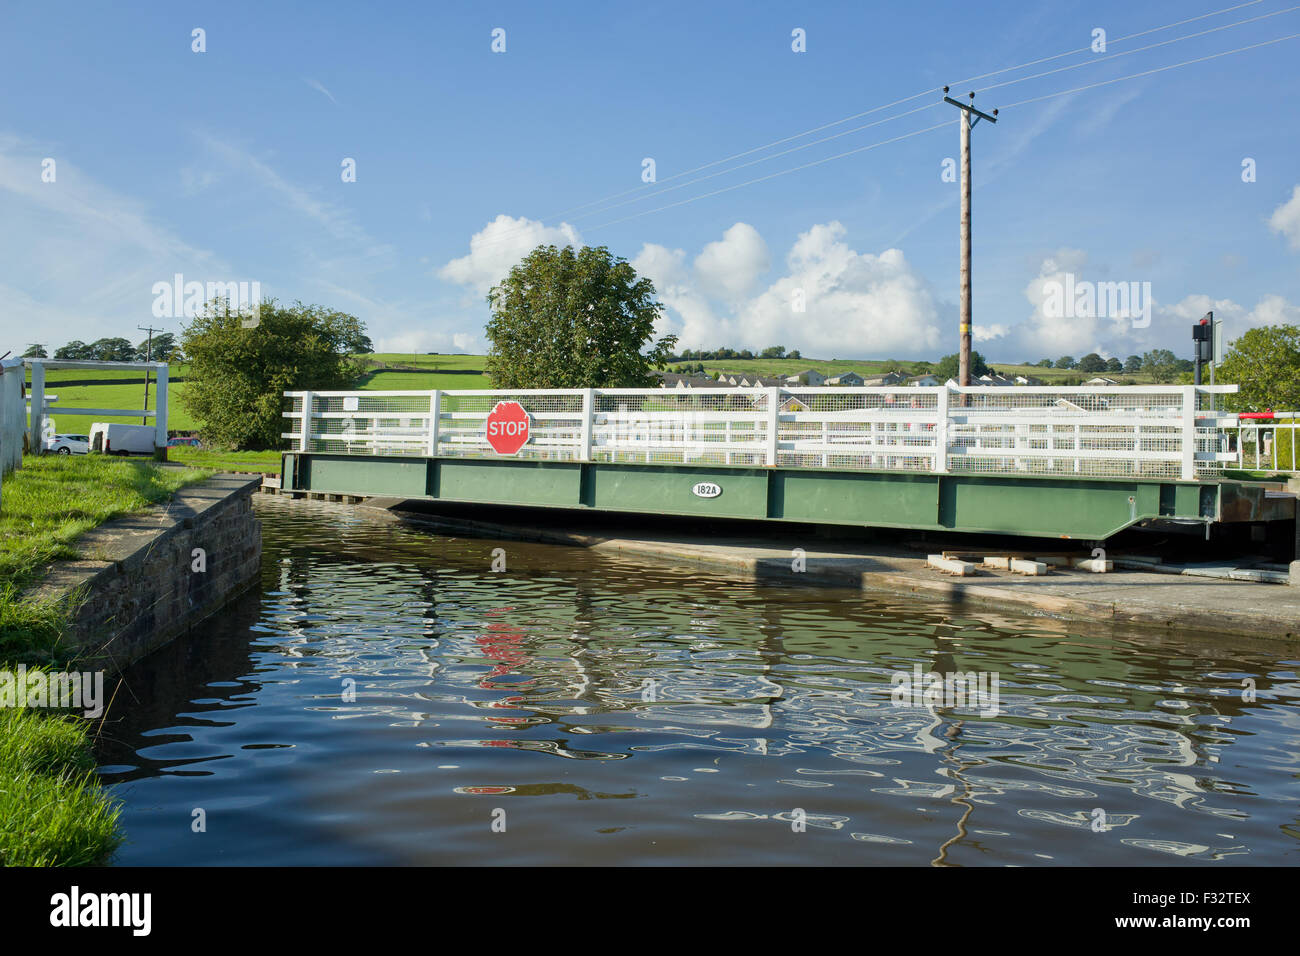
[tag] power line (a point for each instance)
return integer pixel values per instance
(907, 99)
(890, 119)
(657, 192)
(928, 129)
(1141, 49)
(1160, 69)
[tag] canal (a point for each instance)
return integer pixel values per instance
(394, 695)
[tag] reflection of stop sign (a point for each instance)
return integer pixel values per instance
(507, 428)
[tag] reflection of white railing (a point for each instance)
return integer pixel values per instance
(1166, 431)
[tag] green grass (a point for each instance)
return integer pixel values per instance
(53, 499)
(261, 462)
(421, 381)
(52, 811)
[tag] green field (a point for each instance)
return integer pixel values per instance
(388, 372)
(415, 372)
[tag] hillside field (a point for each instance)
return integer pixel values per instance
(416, 372)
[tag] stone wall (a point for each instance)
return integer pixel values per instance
(145, 579)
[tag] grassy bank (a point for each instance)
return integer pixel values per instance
(52, 812)
(263, 462)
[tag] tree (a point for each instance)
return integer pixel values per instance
(1045, 363)
(1065, 361)
(948, 366)
(1092, 362)
(75, 350)
(358, 343)
(574, 319)
(35, 350)
(794, 354)
(111, 350)
(238, 375)
(1114, 365)
(158, 351)
(1133, 364)
(1265, 363)
(1160, 364)
(773, 352)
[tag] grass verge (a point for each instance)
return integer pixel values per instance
(52, 810)
(263, 462)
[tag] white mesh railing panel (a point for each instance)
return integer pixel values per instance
(1116, 431)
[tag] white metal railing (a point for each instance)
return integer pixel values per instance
(38, 432)
(1164, 431)
(1266, 444)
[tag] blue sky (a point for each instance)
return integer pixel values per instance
(225, 165)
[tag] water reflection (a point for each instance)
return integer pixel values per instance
(386, 692)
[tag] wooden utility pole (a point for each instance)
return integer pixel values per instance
(144, 420)
(969, 117)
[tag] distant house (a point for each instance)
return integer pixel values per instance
(807, 377)
(1101, 380)
(926, 381)
(889, 378)
(848, 378)
(672, 380)
(1028, 380)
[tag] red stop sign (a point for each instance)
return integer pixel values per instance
(507, 428)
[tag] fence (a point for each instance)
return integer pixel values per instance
(1157, 431)
(38, 431)
(12, 424)
(1267, 444)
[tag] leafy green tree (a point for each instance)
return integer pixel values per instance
(112, 350)
(773, 352)
(1045, 363)
(238, 374)
(1265, 363)
(948, 366)
(35, 350)
(1160, 364)
(1092, 362)
(1113, 364)
(159, 350)
(793, 354)
(1133, 364)
(1066, 361)
(76, 350)
(566, 318)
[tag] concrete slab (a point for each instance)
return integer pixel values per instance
(1145, 597)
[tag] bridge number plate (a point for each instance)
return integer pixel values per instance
(706, 489)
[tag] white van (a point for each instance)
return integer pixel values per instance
(122, 439)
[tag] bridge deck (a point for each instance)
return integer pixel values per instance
(1075, 463)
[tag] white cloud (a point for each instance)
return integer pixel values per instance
(1286, 219)
(320, 88)
(80, 259)
(854, 304)
(499, 245)
(731, 267)
(423, 340)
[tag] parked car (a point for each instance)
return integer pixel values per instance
(122, 439)
(69, 444)
(174, 442)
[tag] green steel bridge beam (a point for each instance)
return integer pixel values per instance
(1090, 509)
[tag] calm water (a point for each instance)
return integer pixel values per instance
(610, 712)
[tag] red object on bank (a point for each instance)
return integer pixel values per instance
(507, 428)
